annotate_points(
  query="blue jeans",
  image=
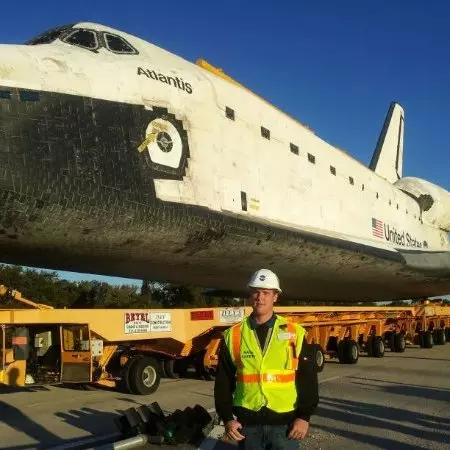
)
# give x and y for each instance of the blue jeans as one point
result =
(267, 437)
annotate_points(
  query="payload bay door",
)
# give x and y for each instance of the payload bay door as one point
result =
(76, 361)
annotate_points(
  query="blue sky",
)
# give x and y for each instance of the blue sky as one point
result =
(335, 66)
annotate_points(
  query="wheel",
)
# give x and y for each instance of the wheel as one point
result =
(399, 343)
(389, 340)
(144, 376)
(332, 344)
(125, 374)
(369, 345)
(318, 357)
(378, 347)
(348, 352)
(420, 339)
(162, 368)
(169, 368)
(447, 334)
(203, 373)
(427, 339)
(443, 337)
(209, 374)
(175, 368)
(439, 337)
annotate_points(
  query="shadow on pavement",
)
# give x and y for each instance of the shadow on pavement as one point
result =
(403, 356)
(131, 400)
(204, 394)
(102, 424)
(91, 420)
(16, 419)
(413, 390)
(15, 390)
(377, 441)
(382, 419)
(12, 388)
(84, 387)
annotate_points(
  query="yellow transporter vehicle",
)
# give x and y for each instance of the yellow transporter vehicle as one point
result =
(135, 348)
(43, 346)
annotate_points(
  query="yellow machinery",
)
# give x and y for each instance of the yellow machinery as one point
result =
(40, 345)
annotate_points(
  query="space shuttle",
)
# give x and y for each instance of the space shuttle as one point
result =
(120, 158)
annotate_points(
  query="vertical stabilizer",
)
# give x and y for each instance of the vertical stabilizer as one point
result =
(387, 159)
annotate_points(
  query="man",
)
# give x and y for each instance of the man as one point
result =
(266, 387)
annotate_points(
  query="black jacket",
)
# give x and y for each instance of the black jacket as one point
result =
(306, 382)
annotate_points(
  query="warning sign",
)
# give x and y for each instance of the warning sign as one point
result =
(146, 322)
(231, 315)
(161, 321)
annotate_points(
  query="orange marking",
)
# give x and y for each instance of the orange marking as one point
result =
(266, 378)
(236, 338)
(19, 340)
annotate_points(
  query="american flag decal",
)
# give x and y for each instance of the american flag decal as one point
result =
(377, 228)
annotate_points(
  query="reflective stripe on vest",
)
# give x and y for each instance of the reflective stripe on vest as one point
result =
(237, 346)
(266, 378)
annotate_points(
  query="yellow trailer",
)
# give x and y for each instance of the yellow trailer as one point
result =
(134, 348)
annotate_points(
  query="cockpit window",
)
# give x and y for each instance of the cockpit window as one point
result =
(117, 44)
(83, 38)
(49, 36)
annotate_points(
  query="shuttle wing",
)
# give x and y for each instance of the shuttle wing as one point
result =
(437, 263)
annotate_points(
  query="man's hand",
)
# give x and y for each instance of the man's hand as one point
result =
(232, 428)
(298, 429)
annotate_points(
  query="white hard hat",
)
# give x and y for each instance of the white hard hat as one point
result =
(264, 279)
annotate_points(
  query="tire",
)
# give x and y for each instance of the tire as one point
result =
(332, 344)
(443, 336)
(144, 376)
(389, 340)
(318, 357)
(439, 337)
(175, 368)
(203, 373)
(378, 347)
(340, 352)
(125, 375)
(348, 352)
(399, 343)
(162, 368)
(420, 339)
(428, 339)
(447, 334)
(369, 346)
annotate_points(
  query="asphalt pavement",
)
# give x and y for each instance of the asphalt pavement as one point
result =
(401, 401)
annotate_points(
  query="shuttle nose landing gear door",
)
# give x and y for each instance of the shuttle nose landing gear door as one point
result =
(76, 358)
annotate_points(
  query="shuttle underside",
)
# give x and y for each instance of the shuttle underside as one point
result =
(74, 199)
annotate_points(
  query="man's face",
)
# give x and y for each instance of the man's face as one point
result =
(263, 300)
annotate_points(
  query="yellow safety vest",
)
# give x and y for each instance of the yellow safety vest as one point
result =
(265, 379)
